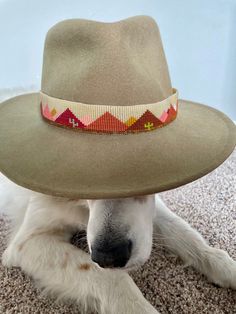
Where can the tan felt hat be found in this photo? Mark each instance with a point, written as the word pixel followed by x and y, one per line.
pixel 107 122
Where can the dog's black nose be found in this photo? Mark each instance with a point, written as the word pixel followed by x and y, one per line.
pixel 112 255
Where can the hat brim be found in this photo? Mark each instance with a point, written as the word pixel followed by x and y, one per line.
pixel 62 162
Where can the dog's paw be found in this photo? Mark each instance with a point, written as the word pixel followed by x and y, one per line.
pixel 9 258
pixel 147 309
pixel 220 268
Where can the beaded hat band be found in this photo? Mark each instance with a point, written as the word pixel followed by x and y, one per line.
pixel 109 119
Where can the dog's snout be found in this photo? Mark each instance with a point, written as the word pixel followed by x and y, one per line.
pixel 112 255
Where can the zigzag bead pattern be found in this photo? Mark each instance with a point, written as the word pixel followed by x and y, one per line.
pixel 109 119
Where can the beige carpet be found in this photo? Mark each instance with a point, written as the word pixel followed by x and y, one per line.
pixel 209 204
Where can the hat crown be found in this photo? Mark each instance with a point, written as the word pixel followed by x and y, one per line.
pixel 121 63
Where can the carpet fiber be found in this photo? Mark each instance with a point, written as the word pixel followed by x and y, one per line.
pixel 209 205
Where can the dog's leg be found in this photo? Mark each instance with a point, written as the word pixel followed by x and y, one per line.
pixel 66 271
pixel 186 242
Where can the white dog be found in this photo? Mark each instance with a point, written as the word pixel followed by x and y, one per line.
pixel 119 235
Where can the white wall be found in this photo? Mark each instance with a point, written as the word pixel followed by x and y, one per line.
pixel 199 38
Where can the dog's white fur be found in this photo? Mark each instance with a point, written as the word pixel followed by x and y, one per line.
pixel 39 244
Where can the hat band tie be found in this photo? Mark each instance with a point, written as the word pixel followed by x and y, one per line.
pixel 109 119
